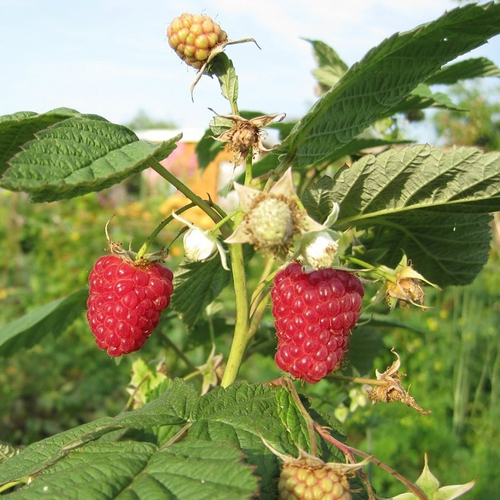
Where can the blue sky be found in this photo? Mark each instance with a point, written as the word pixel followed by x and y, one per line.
pixel 111 57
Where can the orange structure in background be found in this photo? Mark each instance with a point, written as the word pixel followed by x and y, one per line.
pixel 183 163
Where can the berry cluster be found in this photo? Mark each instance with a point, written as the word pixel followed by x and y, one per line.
pixel 193 37
pixel 315 313
pixel 313 482
pixel 125 302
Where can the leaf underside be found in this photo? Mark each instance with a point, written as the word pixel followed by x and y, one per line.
pixel 384 77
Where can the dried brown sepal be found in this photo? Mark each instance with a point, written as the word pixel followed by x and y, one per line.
pixel 407 290
pixel 147 260
pixel 392 390
pixel 246 135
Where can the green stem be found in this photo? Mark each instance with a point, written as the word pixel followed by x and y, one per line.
pixel 172 179
pixel 356 380
pixel 248 167
pixel 241 334
pixel 7 486
pixel 366 265
pixel 145 246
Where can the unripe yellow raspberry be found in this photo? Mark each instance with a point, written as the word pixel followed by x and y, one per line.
pixel 193 37
pixel 300 481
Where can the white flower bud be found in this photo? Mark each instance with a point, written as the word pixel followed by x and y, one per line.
pixel 319 249
pixel 199 245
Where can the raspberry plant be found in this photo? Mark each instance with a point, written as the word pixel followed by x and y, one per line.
pixel 330 239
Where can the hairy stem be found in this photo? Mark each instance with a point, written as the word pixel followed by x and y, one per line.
pixel 172 179
pixel 241 336
pixel 145 246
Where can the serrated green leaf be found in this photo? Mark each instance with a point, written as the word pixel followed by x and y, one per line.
pixel 43 454
pixel 174 407
pixel 384 77
pixel 240 415
pixel 319 201
pixel 330 66
pixel 203 280
pixel 223 67
pixel 52 318
pixel 133 470
pixel 243 414
pixel 423 97
pixel 470 68
pixel 417 177
pixel 446 248
pixel 79 155
pixel 21 127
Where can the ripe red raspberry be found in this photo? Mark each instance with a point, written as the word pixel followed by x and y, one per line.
pixel 315 313
pixel 193 37
pixel 299 479
pixel 125 302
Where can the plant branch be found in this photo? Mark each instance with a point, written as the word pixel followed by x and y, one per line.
pixel 241 334
pixel 350 452
pixel 172 179
pixel 356 380
pixel 145 246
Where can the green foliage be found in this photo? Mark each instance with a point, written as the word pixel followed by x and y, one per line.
pixel 184 438
pixel 52 318
pixel 77 155
pixel 384 77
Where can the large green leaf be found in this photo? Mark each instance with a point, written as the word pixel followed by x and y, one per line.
pixel 417 177
pixel 446 248
pixel 431 204
pixel 470 68
pixel 384 77
pixel 75 156
pixel 138 470
pixel 52 318
pixel 238 416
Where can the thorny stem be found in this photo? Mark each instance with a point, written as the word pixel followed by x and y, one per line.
pixel 350 452
pixel 310 423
